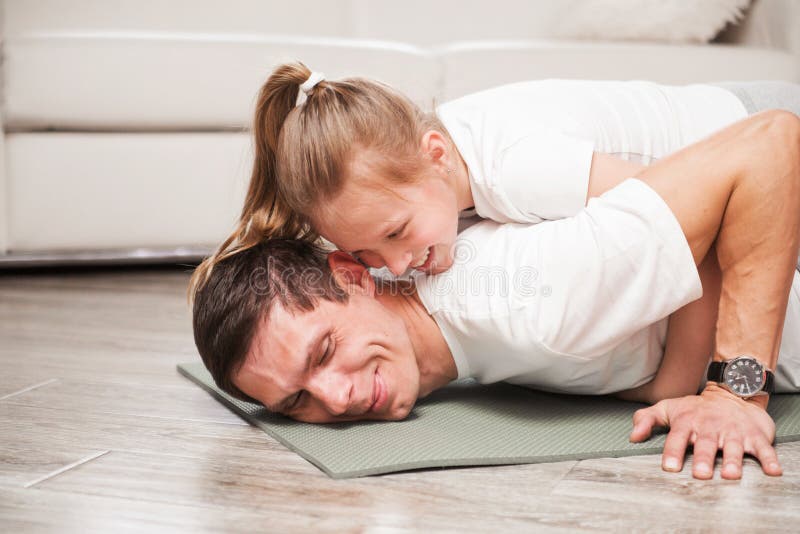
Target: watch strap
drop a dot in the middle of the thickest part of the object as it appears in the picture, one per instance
(716, 372)
(769, 382)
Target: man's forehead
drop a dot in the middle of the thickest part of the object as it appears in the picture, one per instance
(282, 332)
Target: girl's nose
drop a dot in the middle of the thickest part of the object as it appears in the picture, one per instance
(399, 263)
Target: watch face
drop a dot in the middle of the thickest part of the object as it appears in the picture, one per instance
(745, 376)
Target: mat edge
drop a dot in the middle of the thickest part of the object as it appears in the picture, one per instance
(220, 396)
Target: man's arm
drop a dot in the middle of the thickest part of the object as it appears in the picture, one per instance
(738, 189)
(689, 343)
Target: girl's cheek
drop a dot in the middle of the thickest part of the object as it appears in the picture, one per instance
(449, 231)
(438, 232)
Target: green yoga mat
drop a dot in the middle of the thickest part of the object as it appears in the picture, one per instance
(469, 424)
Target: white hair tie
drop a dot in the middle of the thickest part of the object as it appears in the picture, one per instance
(313, 79)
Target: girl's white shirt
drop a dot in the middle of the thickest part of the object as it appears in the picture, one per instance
(528, 146)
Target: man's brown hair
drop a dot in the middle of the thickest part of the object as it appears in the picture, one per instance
(240, 292)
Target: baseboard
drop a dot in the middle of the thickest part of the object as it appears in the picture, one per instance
(70, 258)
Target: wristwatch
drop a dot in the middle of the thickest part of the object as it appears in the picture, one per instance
(743, 376)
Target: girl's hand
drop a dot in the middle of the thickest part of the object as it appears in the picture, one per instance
(716, 419)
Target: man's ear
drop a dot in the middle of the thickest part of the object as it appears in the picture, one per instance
(351, 275)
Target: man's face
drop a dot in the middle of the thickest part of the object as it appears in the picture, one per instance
(339, 362)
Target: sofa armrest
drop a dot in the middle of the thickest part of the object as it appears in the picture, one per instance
(768, 24)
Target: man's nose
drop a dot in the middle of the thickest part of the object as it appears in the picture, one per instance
(398, 263)
(334, 390)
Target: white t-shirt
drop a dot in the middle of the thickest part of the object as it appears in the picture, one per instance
(528, 146)
(577, 305)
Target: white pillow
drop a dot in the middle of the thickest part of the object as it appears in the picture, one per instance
(682, 21)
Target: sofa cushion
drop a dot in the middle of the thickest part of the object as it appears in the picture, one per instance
(181, 81)
(507, 62)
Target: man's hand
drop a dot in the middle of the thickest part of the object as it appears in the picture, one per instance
(715, 419)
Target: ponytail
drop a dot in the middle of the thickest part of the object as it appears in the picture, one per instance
(309, 148)
(264, 215)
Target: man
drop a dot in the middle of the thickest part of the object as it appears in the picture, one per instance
(288, 337)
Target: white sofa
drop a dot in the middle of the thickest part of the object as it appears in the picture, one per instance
(125, 122)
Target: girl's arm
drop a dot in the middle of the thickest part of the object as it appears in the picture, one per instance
(607, 171)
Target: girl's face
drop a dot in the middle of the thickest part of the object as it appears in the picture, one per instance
(394, 225)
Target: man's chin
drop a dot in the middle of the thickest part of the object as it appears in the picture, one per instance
(396, 416)
(394, 413)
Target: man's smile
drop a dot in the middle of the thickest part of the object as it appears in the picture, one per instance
(379, 393)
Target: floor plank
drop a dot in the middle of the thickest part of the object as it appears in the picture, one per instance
(179, 400)
(22, 511)
(298, 496)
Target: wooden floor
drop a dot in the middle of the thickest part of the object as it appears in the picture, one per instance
(99, 433)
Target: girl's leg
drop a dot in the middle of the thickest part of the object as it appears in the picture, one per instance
(787, 374)
(761, 96)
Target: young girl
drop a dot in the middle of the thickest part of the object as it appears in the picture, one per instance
(360, 165)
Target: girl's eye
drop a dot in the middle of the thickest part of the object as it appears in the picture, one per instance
(397, 232)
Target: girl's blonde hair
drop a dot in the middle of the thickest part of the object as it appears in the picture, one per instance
(302, 152)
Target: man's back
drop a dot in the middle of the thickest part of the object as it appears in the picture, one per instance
(574, 305)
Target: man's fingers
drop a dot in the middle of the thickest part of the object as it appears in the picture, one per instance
(675, 449)
(644, 420)
(766, 455)
(705, 451)
(732, 455)
(710, 421)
